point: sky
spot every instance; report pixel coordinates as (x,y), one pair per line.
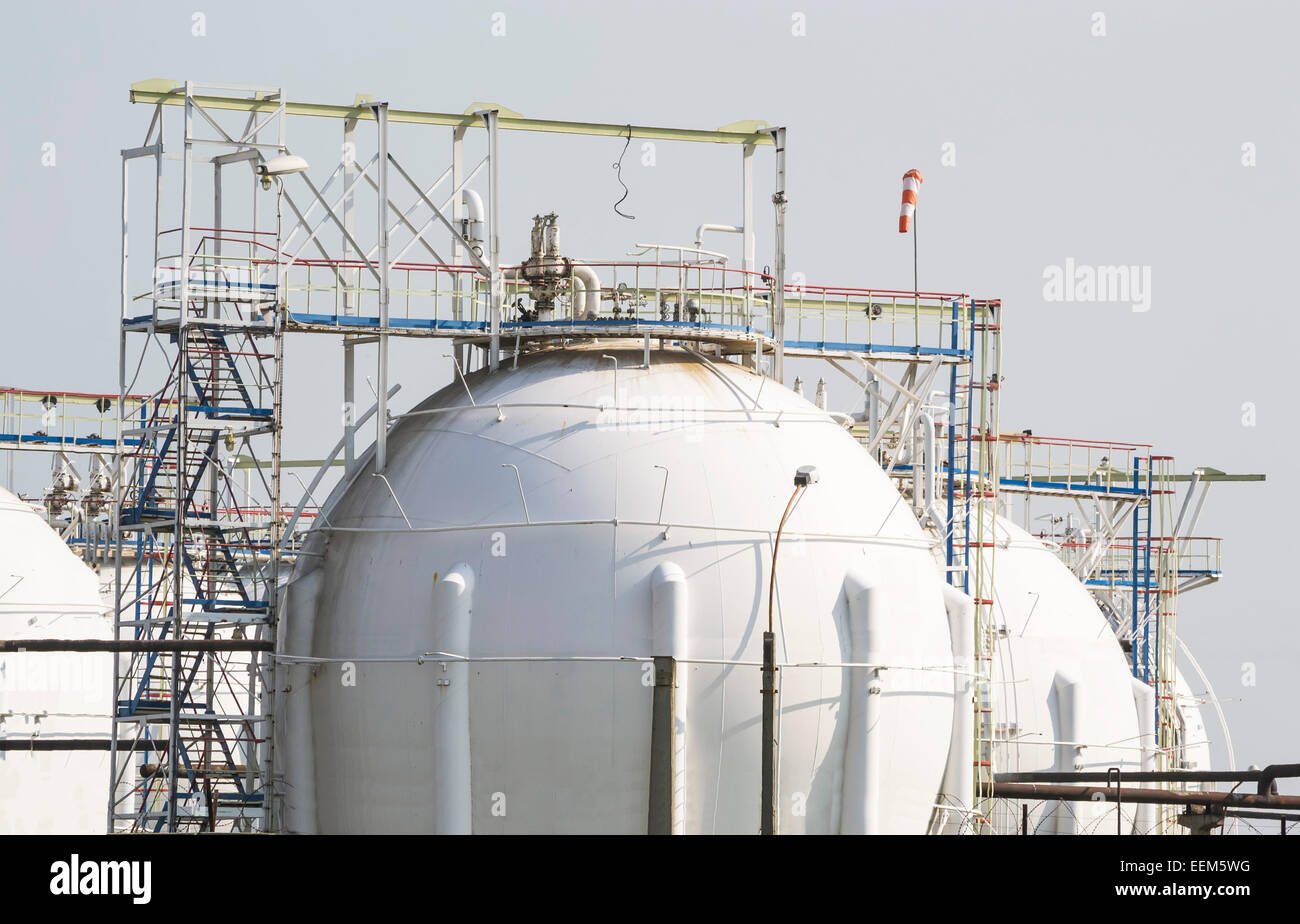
(1161,137)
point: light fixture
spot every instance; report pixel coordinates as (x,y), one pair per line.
(283,165)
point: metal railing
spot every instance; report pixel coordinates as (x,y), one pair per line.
(1051,464)
(695,289)
(73,420)
(1198,556)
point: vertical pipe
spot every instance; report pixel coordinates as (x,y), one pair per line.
(768,815)
(778,291)
(457,212)
(670,612)
(966,476)
(747,230)
(9,404)
(959,776)
(178,533)
(349,346)
(1133,636)
(860,813)
(453,600)
(272,582)
(381,415)
(1146,582)
(119,495)
(1144,701)
(1069,702)
(663,753)
(494,240)
(213,467)
(950,551)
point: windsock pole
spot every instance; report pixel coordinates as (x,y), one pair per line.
(912,181)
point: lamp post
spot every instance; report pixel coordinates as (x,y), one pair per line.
(804,477)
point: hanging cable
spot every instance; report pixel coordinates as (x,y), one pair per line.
(618,172)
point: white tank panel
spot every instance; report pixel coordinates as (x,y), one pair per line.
(47,592)
(562,744)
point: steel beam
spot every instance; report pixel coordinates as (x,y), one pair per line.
(171,93)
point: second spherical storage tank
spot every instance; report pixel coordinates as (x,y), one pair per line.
(640,524)
(1064,697)
(47,592)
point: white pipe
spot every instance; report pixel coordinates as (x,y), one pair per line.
(1069,707)
(959,775)
(591,304)
(301,598)
(860,812)
(930,483)
(729,229)
(474,212)
(453,597)
(670,612)
(578,297)
(1144,701)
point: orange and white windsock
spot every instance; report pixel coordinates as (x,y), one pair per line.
(911,186)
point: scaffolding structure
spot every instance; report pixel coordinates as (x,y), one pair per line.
(225,292)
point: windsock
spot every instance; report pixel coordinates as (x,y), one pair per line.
(911,185)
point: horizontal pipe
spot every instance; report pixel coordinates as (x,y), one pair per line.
(1044,791)
(81,744)
(214,770)
(1264,778)
(136,644)
(1273,816)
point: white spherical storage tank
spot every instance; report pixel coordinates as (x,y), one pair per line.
(1063,693)
(47,592)
(539,541)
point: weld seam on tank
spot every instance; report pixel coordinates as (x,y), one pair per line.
(786,416)
(758,533)
(436,657)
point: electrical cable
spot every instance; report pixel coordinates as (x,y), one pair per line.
(618,172)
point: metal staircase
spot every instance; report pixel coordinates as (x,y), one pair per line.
(194,722)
